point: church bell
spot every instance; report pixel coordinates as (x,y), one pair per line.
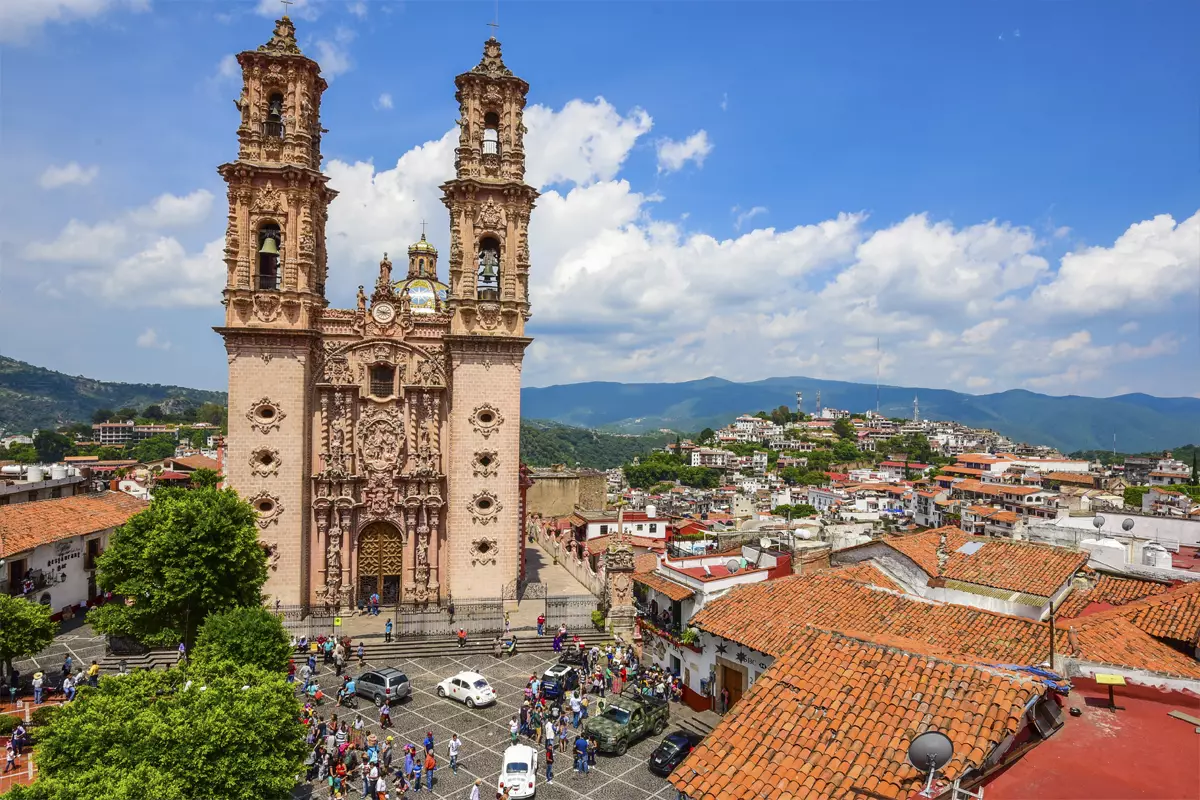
(269,247)
(489,271)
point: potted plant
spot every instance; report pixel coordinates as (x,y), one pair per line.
(598,619)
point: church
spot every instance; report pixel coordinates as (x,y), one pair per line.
(379,444)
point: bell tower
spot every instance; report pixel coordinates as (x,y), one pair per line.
(274,297)
(489,205)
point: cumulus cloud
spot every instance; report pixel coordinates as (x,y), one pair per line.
(581,143)
(162,274)
(384,101)
(741,217)
(148,339)
(672,155)
(228,67)
(168,210)
(333,54)
(1150,262)
(20,19)
(70,174)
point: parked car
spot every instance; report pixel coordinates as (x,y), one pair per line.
(383,685)
(558,679)
(671,751)
(468,687)
(519,772)
(628,718)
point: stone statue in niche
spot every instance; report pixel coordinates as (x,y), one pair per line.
(362,300)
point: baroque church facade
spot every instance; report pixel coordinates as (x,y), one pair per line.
(379,444)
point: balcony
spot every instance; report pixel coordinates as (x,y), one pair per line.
(268,281)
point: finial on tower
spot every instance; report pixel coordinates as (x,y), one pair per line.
(283,40)
(492,64)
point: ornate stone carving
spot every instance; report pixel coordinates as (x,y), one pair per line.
(283,40)
(492,64)
(269,200)
(483,551)
(490,216)
(268,507)
(484,507)
(486,464)
(264,462)
(272,551)
(267,306)
(489,316)
(265,415)
(379,496)
(486,419)
(381,440)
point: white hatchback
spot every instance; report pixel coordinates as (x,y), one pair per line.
(468,687)
(519,772)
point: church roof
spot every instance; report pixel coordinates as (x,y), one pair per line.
(422,247)
(425,295)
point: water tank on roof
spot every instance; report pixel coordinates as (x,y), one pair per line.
(862,538)
(650,512)
(35,474)
(58,472)
(1155,555)
(11,469)
(1107,552)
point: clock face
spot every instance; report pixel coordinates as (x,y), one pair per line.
(383,313)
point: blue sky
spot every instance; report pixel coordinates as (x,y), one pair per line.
(1004,195)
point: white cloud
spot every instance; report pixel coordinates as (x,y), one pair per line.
(978,382)
(672,155)
(1128,327)
(71,174)
(20,19)
(299,9)
(334,54)
(742,217)
(80,243)
(384,101)
(358,8)
(1150,263)
(168,210)
(228,67)
(149,340)
(582,143)
(725,101)
(984,331)
(163,274)
(1070,344)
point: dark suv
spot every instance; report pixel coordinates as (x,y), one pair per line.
(379,685)
(559,679)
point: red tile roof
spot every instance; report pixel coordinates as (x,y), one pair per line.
(1110,590)
(767,616)
(645,562)
(27,525)
(600,543)
(195,462)
(664,586)
(868,573)
(834,716)
(1000,563)
(1170,615)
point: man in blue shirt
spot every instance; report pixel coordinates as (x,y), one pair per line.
(581,764)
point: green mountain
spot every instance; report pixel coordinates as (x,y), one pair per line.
(1139,422)
(544,443)
(34,397)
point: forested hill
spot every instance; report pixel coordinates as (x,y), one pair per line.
(35,397)
(544,443)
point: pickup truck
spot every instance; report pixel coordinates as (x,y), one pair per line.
(628,718)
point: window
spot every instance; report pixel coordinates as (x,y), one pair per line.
(93,552)
(654,527)
(640,527)
(603,530)
(491,134)
(269,238)
(273,124)
(382,380)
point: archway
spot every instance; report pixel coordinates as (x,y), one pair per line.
(380,562)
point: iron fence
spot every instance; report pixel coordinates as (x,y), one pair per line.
(474,616)
(574,611)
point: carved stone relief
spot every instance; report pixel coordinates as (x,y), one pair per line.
(483,551)
(486,464)
(484,507)
(265,415)
(381,439)
(486,419)
(267,306)
(268,507)
(489,316)
(264,462)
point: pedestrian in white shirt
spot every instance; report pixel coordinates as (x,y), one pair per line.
(475,790)
(454,745)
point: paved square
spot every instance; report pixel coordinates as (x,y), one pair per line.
(484,734)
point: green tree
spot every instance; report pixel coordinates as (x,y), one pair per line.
(22,453)
(706,435)
(844,429)
(1134,495)
(233,733)
(25,629)
(844,451)
(155,448)
(102,415)
(128,412)
(796,511)
(251,635)
(51,446)
(153,412)
(112,454)
(211,413)
(190,554)
(205,479)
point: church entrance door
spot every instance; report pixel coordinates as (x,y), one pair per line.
(380,560)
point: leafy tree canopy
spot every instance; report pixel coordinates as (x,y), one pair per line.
(51,446)
(706,435)
(155,448)
(205,479)
(844,429)
(25,629)
(233,733)
(190,554)
(251,635)
(795,511)
(21,453)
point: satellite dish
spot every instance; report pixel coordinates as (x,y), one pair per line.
(764,543)
(732,565)
(1098,522)
(1127,525)
(929,752)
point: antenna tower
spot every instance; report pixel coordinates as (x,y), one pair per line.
(799,403)
(916,410)
(818,402)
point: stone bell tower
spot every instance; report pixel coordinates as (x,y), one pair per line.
(489,206)
(274,296)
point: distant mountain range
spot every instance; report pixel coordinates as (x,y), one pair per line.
(1139,421)
(35,397)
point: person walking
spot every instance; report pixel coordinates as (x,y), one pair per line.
(10,758)
(93,674)
(67,666)
(541,623)
(576,709)
(453,747)
(475,789)
(513,729)
(430,766)
(550,734)
(39,681)
(549,760)
(362,656)
(581,748)
(387,630)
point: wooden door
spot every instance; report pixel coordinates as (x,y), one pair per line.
(731,679)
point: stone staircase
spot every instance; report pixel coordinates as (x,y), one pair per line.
(378,652)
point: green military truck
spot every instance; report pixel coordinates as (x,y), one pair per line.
(626,719)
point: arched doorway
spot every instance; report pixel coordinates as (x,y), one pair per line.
(380,561)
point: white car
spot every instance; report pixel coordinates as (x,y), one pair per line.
(468,687)
(519,772)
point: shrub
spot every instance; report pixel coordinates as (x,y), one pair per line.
(598,619)
(8,725)
(44,715)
